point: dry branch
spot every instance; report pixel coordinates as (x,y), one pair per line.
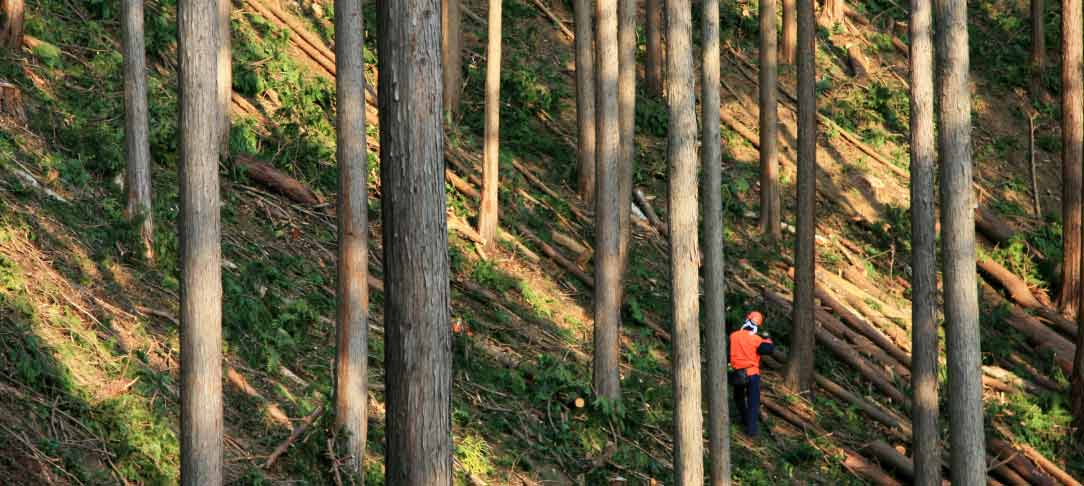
(294,435)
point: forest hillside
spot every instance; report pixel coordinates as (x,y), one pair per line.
(89,339)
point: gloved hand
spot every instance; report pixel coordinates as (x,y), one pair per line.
(766,335)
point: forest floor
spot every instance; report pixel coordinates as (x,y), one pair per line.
(89,354)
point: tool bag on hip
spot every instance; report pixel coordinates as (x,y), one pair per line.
(739,377)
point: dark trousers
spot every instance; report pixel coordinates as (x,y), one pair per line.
(748,400)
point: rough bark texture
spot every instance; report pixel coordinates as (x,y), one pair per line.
(451,53)
(136,146)
(714,278)
(201,251)
(769,124)
(607,381)
(833,12)
(488,213)
(418,345)
(225,77)
(626,99)
(958,247)
(352,311)
(798,375)
(1038,38)
(1072,129)
(684,251)
(790,32)
(653,68)
(927,442)
(585,99)
(11,24)
(275,179)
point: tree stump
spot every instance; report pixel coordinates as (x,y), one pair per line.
(11,101)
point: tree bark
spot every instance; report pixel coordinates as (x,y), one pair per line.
(607,304)
(1020,463)
(653,69)
(798,375)
(714,276)
(418,351)
(273,178)
(488,213)
(585,99)
(352,311)
(924,365)
(626,92)
(958,247)
(863,327)
(1038,39)
(200,241)
(1044,338)
(140,208)
(992,226)
(11,24)
(790,32)
(451,54)
(833,12)
(769,124)
(225,77)
(1072,155)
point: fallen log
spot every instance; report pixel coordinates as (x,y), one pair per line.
(1008,379)
(11,101)
(891,421)
(1020,463)
(993,227)
(861,325)
(858,278)
(556,256)
(295,434)
(534,180)
(461,185)
(861,344)
(583,251)
(850,289)
(273,178)
(888,455)
(859,63)
(1038,458)
(1044,338)
(1036,375)
(1019,291)
(649,211)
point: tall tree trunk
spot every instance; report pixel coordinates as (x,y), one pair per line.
(626,108)
(136,146)
(927,441)
(201,251)
(1038,37)
(607,380)
(352,311)
(653,68)
(585,99)
(451,53)
(769,124)
(714,284)
(833,12)
(11,24)
(684,251)
(418,345)
(1072,128)
(488,214)
(225,77)
(958,247)
(790,32)
(798,375)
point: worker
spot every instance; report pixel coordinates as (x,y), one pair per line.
(746,348)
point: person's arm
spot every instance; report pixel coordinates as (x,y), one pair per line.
(766,347)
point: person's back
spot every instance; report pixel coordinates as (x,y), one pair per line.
(746,348)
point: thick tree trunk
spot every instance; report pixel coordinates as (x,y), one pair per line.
(11,24)
(626,93)
(924,372)
(1072,155)
(488,213)
(684,247)
(451,53)
(790,32)
(607,381)
(225,77)
(1038,39)
(833,12)
(958,247)
(418,345)
(798,375)
(140,209)
(585,99)
(200,241)
(653,68)
(352,311)
(769,124)
(714,278)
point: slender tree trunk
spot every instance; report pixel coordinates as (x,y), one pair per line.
(201,251)
(684,251)
(714,278)
(927,441)
(225,77)
(418,346)
(653,68)
(626,93)
(1038,37)
(798,375)
(769,124)
(137,148)
(488,214)
(452,54)
(958,247)
(352,353)
(790,32)
(607,356)
(585,99)
(11,24)
(1072,127)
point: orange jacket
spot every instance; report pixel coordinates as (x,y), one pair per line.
(746,349)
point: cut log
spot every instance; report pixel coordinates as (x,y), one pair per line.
(1044,338)
(874,411)
(649,211)
(859,63)
(861,344)
(461,185)
(864,290)
(992,226)
(1020,463)
(295,434)
(535,181)
(583,251)
(11,102)
(861,325)
(276,180)
(1036,375)
(556,256)
(888,455)
(857,276)
(1009,379)
(1017,288)
(1038,458)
